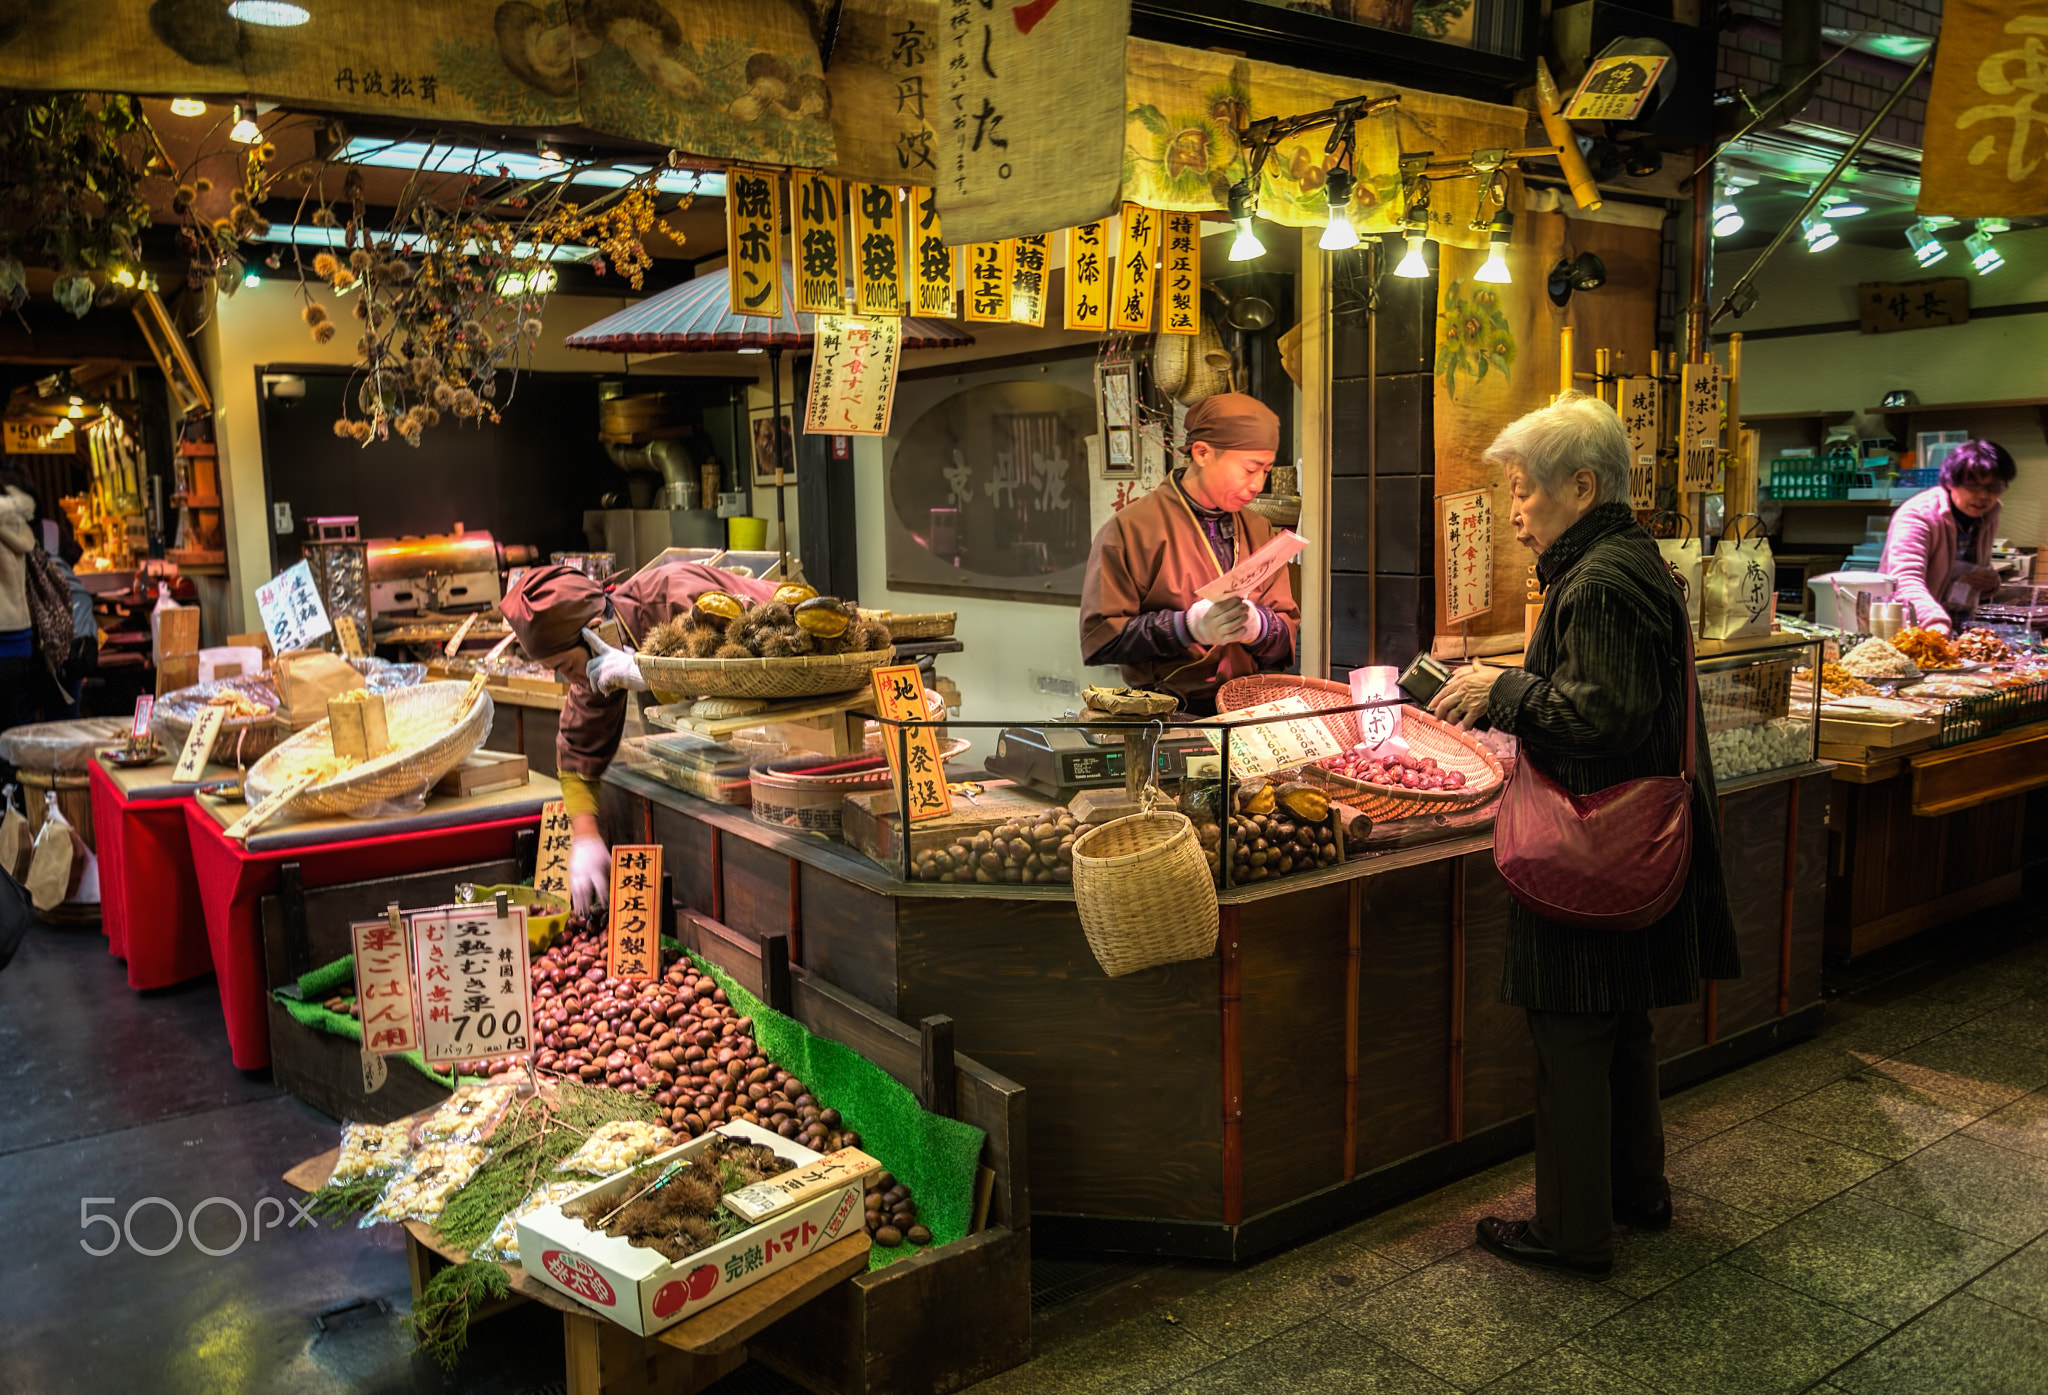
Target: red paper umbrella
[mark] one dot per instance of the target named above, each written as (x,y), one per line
(696,318)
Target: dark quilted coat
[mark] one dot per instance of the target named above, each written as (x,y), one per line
(1599,701)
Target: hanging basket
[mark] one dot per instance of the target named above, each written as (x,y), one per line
(1144,893)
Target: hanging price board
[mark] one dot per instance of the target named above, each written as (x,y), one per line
(1131,308)
(1088,277)
(1181,268)
(635,919)
(293,616)
(384,996)
(877,249)
(988,282)
(1468,554)
(198,744)
(899,696)
(551,873)
(1699,425)
(1027,280)
(853,375)
(348,637)
(471,964)
(819,243)
(1636,402)
(753,243)
(931,257)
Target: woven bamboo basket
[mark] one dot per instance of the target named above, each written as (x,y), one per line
(1451,748)
(813,675)
(241,739)
(934,624)
(1144,893)
(425,746)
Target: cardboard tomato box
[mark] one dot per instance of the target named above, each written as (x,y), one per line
(642,1290)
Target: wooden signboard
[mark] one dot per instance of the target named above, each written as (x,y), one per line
(1890,306)
(1088,277)
(818,243)
(1699,426)
(988,282)
(634,949)
(1027,280)
(753,241)
(877,248)
(1136,276)
(1637,406)
(348,637)
(198,744)
(899,697)
(930,258)
(551,873)
(1181,268)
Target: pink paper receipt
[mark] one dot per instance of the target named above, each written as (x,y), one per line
(1250,575)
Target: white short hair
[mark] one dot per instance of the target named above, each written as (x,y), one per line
(1574,433)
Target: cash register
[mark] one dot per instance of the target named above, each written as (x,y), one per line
(1062,761)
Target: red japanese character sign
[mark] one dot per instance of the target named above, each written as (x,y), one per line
(384,987)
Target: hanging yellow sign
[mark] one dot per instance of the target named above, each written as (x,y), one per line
(931,258)
(1027,280)
(988,281)
(1088,277)
(818,242)
(877,249)
(1131,310)
(1986,117)
(1181,268)
(753,241)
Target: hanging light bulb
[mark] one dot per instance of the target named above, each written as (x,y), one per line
(1412,265)
(1819,234)
(1842,206)
(1983,255)
(74,411)
(245,130)
(123,277)
(1494,270)
(187,106)
(1339,235)
(1927,248)
(1727,217)
(1246,246)
(252,279)
(272,14)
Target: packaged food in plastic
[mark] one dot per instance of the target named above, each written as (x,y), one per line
(369,1150)
(470,1114)
(421,1189)
(503,1244)
(617,1146)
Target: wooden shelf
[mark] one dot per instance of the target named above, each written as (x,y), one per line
(1867,505)
(197,501)
(1825,417)
(1912,408)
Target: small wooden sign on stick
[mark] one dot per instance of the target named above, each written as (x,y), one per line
(551,874)
(198,744)
(634,950)
(899,697)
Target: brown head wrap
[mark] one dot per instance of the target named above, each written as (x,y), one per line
(1232,421)
(549,608)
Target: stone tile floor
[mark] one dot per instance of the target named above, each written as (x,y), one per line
(1866,1212)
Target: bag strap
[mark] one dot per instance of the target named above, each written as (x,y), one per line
(1690,678)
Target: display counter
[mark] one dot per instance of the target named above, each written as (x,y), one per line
(1345,1044)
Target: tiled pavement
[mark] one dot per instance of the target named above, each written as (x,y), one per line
(1866,1212)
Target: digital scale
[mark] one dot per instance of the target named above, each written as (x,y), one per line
(1060,761)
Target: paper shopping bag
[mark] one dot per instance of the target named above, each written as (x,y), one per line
(15,843)
(1683,555)
(1741,584)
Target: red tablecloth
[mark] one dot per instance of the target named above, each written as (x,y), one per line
(231,879)
(149,894)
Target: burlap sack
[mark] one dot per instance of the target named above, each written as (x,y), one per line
(306,679)
(1741,584)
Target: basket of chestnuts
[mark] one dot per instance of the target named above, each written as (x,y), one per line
(797,644)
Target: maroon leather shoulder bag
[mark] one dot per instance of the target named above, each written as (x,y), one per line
(1615,859)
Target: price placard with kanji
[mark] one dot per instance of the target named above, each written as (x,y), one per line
(1136,275)
(384,996)
(914,760)
(551,872)
(1637,407)
(474,991)
(198,744)
(293,616)
(753,241)
(853,374)
(1088,277)
(819,243)
(635,917)
(1468,554)
(931,259)
(1699,425)
(348,636)
(1027,280)
(988,282)
(1181,267)
(877,248)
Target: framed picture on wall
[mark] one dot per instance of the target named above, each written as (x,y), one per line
(773,447)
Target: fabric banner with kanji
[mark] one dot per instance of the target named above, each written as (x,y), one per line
(1987,116)
(853,376)
(1186,106)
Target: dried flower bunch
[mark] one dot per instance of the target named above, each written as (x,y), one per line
(72,195)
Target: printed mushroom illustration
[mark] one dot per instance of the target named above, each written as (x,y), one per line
(540,54)
(650,36)
(198,31)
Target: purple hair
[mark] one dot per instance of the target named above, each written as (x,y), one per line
(1978,462)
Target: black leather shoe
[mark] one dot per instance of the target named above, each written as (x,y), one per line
(1657,1217)
(1513,1241)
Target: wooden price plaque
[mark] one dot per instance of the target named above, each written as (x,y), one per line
(635,922)
(198,744)
(474,990)
(384,996)
(551,874)
(348,637)
(899,696)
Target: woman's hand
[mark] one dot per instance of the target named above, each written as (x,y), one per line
(1463,699)
(1985,579)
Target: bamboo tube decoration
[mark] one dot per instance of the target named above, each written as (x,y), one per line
(1740,482)
(1564,360)
(1600,361)
(1559,130)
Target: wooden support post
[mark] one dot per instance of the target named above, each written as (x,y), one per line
(1564,360)
(938,1092)
(526,848)
(668,906)
(291,898)
(1600,374)
(1740,484)
(775,971)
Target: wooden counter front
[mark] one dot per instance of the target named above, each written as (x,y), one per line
(1345,1046)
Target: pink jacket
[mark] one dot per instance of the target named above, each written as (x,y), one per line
(1920,552)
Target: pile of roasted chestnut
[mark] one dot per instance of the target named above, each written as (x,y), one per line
(892,1214)
(796,623)
(1034,850)
(1275,830)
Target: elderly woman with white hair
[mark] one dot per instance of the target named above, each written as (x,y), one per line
(1600,699)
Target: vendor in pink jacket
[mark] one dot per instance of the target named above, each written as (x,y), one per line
(1938,549)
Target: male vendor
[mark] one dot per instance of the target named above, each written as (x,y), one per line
(555,611)
(1139,609)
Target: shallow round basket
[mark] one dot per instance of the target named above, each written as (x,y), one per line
(427,742)
(1450,748)
(241,739)
(1144,893)
(1319,693)
(813,675)
(935,624)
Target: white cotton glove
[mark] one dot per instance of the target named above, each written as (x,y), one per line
(590,873)
(1217,622)
(611,670)
(1249,626)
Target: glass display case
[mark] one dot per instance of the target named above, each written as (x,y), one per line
(1755,721)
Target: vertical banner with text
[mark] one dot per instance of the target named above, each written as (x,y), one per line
(753,241)
(634,941)
(988,282)
(853,375)
(899,697)
(931,258)
(818,241)
(1180,266)
(877,249)
(1088,277)
(551,871)
(384,995)
(1468,554)
(1131,307)
(1027,280)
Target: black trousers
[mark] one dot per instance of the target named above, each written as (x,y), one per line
(1599,1129)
